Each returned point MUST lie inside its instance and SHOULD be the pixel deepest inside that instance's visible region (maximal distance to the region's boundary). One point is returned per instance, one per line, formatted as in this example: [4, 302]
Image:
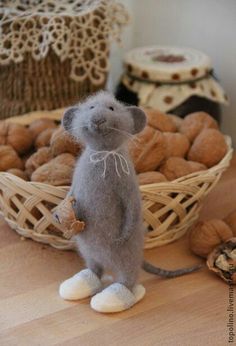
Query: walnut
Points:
[42, 156]
[62, 142]
[149, 150]
[65, 159]
[18, 172]
[209, 148]
[16, 135]
[205, 236]
[231, 221]
[43, 139]
[151, 178]
[65, 215]
[176, 167]
[39, 125]
[194, 123]
[160, 121]
[177, 144]
[177, 120]
[222, 261]
[55, 172]
[9, 158]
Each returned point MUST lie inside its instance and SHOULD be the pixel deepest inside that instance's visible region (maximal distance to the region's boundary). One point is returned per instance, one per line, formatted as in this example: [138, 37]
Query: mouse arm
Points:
[131, 210]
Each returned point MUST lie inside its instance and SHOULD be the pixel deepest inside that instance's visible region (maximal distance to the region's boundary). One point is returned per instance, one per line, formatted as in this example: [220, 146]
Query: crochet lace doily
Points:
[79, 30]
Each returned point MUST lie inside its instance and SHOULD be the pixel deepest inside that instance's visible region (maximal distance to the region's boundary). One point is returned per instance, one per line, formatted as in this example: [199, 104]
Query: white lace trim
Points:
[79, 30]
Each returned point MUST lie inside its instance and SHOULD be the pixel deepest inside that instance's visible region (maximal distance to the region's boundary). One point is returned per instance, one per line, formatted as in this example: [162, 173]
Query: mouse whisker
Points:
[78, 127]
[75, 128]
[127, 134]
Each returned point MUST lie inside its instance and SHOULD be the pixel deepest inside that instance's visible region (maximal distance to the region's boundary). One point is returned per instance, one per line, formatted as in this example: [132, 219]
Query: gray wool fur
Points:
[110, 206]
[107, 193]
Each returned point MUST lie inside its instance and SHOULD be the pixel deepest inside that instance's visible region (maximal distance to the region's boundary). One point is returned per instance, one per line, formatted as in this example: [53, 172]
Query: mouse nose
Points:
[98, 122]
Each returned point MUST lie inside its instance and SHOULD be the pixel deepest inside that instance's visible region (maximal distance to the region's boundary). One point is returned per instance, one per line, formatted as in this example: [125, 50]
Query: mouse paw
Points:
[116, 298]
[82, 285]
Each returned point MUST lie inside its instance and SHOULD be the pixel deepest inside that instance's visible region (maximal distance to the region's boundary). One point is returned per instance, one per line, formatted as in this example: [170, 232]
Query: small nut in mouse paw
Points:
[66, 217]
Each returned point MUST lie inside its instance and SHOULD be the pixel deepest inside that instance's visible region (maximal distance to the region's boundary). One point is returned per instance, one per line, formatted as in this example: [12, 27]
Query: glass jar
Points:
[174, 80]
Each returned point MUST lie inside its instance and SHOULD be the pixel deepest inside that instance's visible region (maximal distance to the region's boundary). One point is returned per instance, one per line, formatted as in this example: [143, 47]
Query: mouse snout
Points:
[98, 122]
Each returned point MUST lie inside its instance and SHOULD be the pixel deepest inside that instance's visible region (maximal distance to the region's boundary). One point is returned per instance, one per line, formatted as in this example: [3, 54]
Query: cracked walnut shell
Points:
[222, 261]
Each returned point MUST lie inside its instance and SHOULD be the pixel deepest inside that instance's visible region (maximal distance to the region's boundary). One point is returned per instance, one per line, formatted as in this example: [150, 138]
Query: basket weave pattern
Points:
[169, 209]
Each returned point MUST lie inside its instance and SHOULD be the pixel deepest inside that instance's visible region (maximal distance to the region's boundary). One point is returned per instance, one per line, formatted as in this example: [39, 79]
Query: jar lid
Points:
[167, 64]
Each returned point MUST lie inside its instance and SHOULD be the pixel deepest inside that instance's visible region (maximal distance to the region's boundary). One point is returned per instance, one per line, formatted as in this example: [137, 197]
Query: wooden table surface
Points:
[190, 310]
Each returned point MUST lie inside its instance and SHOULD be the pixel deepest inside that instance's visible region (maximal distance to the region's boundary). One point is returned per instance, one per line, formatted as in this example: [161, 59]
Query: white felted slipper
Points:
[82, 285]
[117, 297]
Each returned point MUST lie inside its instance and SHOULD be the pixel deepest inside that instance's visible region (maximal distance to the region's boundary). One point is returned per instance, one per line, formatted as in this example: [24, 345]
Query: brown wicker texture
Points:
[169, 209]
[44, 84]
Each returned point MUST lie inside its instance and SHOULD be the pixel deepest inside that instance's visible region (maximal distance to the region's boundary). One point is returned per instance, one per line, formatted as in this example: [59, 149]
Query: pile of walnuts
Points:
[168, 148]
[41, 152]
[216, 240]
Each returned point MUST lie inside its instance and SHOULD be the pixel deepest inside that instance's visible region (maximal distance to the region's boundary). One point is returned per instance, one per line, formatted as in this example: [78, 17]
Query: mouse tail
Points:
[148, 267]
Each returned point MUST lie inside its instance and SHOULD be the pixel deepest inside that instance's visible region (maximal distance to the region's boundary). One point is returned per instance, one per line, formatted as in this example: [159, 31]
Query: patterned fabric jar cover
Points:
[164, 77]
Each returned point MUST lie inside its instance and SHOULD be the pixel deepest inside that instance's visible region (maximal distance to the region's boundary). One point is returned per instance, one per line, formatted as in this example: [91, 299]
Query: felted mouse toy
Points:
[107, 200]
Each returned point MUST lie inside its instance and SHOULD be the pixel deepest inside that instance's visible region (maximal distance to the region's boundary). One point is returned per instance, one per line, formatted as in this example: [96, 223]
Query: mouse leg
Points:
[122, 294]
[83, 284]
[127, 275]
[94, 267]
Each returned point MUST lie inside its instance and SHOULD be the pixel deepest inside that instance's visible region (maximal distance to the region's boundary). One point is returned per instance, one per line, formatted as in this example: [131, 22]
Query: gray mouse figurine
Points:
[107, 199]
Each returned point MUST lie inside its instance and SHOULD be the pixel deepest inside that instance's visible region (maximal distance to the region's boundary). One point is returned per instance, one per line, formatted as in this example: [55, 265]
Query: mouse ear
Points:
[68, 117]
[139, 118]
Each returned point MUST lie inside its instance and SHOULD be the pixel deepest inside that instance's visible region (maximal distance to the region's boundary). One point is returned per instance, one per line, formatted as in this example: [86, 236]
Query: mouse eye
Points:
[111, 108]
[91, 107]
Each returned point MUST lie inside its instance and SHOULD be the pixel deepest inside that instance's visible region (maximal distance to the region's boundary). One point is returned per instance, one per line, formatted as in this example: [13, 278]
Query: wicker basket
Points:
[43, 84]
[169, 209]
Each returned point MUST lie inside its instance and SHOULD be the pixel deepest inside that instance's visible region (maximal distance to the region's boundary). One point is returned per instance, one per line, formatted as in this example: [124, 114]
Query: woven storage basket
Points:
[43, 84]
[53, 53]
[169, 209]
